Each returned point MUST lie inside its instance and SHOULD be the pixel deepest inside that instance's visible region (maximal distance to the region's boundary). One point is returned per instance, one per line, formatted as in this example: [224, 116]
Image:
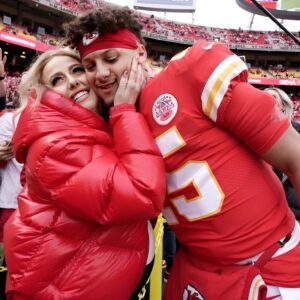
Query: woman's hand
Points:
[6, 151]
[131, 84]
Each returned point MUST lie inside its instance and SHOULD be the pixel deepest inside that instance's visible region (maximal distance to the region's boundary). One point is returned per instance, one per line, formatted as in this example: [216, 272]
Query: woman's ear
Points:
[142, 53]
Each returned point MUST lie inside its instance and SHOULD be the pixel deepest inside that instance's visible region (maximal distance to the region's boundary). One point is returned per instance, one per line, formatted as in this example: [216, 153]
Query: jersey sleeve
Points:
[233, 104]
[252, 115]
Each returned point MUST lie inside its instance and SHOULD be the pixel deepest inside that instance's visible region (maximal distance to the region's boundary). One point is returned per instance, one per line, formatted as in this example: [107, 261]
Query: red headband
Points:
[123, 38]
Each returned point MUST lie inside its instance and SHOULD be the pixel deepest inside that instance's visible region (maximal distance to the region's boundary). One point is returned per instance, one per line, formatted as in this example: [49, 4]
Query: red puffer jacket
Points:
[80, 231]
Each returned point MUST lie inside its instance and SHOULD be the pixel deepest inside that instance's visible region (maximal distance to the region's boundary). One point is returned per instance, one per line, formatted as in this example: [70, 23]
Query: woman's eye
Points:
[78, 69]
[55, 80]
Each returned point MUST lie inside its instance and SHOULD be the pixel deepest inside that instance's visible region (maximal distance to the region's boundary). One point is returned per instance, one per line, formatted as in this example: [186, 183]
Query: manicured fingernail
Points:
[125, 73]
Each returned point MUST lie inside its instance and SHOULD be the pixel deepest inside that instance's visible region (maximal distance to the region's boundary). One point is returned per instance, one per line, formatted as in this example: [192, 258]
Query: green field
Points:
[290, 5]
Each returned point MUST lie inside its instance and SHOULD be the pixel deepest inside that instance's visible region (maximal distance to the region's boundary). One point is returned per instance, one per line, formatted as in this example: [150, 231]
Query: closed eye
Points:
[89, 67]
[111, 60]
[56, 80]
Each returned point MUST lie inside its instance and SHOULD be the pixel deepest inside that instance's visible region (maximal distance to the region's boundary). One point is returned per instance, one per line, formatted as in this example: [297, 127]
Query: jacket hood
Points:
[55, 113]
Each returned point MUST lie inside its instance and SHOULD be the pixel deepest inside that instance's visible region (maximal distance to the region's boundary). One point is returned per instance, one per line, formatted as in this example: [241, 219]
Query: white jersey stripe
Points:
[170, 141]
[218, 83]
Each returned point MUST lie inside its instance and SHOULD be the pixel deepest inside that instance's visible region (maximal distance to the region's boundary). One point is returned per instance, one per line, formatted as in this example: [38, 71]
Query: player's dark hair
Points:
[105, 19]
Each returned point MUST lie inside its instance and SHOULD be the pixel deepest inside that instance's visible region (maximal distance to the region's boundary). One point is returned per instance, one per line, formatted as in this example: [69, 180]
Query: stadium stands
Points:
[181, 33]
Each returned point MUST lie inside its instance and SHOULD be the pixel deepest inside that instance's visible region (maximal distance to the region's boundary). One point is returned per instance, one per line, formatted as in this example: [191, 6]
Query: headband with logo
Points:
[93, 41]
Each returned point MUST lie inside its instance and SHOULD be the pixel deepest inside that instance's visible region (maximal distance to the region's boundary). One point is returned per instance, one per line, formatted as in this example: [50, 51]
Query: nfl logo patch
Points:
[164, 109]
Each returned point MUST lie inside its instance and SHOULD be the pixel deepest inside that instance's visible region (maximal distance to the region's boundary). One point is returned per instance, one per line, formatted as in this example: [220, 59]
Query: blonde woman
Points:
[81, 230]
[285, 104]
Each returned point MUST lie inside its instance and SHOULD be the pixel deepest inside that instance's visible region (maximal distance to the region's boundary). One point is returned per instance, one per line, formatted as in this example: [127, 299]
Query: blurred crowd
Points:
[174, 31]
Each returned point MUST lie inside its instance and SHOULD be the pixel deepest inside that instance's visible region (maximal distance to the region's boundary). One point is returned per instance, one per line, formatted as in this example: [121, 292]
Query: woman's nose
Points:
[73, 82]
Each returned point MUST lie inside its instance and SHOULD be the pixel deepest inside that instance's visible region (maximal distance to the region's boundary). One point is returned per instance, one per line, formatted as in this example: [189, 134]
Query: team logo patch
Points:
[164, 109]
[191, 293]
[88, 38]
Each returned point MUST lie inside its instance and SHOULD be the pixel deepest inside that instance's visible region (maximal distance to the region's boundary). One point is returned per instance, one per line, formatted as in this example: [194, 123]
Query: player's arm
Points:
[285, 156]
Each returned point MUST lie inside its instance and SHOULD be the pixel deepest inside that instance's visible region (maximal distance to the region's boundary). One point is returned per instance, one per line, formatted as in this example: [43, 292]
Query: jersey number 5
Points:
[209, 197]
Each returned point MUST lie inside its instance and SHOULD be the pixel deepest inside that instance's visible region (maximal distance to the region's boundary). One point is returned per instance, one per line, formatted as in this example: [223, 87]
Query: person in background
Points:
[8, 166]
[238, 238]
[2, 77]
[285, 104]
[10, 171]
[81, 230]
[5, 148]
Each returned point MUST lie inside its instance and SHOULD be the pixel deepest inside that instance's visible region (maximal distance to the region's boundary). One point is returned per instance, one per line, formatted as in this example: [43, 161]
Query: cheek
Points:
[61, 89]
[58, 89]
[90, 78]
[119, 69]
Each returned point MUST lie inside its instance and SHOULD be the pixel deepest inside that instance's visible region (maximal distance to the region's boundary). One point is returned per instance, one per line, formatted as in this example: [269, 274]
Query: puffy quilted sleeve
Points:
[91, 181]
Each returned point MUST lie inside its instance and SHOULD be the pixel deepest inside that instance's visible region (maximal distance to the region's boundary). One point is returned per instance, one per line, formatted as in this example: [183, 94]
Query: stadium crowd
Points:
[170, 30]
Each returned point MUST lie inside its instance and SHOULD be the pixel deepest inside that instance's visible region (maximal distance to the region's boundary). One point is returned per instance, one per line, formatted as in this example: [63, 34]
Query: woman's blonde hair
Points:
[286, 101]
[31, 80]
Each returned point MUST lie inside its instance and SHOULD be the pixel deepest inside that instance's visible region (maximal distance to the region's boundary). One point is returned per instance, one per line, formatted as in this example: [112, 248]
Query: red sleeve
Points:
[252, 115]
[23, 176]
[91, 181]
[228, 100]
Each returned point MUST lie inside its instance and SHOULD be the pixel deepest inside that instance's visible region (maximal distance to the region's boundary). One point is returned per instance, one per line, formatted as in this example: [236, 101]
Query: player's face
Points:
[65, 75]
[105, 67]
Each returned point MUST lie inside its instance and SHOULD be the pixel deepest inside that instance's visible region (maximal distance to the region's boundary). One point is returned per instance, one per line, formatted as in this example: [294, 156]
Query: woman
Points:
[81, 229]
[285, 104]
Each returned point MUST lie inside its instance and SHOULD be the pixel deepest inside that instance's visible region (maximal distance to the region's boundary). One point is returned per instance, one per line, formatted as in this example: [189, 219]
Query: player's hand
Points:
[2, 63]
[131, 84]
[6, 151]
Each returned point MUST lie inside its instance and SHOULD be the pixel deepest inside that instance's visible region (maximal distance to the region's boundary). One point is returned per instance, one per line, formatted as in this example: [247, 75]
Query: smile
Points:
[77, 97]
[106, 86]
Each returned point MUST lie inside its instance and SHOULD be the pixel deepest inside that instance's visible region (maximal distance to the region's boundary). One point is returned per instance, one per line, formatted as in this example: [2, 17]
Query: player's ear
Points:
[142, 53]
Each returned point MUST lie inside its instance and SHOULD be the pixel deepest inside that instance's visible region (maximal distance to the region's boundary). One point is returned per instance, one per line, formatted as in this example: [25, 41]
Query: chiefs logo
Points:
[164, 109]
[88, 38]
[190, 293]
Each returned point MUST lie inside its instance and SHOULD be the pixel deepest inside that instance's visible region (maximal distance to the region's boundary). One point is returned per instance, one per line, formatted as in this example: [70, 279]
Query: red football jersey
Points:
[224, 202]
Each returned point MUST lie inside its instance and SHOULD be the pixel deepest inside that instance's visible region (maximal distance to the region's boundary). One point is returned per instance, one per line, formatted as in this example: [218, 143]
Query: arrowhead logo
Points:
[191, 293]
[88, 38]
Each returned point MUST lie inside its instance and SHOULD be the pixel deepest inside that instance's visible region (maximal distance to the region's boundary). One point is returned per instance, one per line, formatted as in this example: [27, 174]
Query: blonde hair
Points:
[286, 101]
[31, 80]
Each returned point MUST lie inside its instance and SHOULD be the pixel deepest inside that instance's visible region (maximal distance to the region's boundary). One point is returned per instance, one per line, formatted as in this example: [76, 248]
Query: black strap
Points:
[268, 253]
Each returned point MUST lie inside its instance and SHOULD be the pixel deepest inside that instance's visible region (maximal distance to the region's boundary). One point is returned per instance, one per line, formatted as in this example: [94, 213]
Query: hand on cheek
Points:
[131, 83]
